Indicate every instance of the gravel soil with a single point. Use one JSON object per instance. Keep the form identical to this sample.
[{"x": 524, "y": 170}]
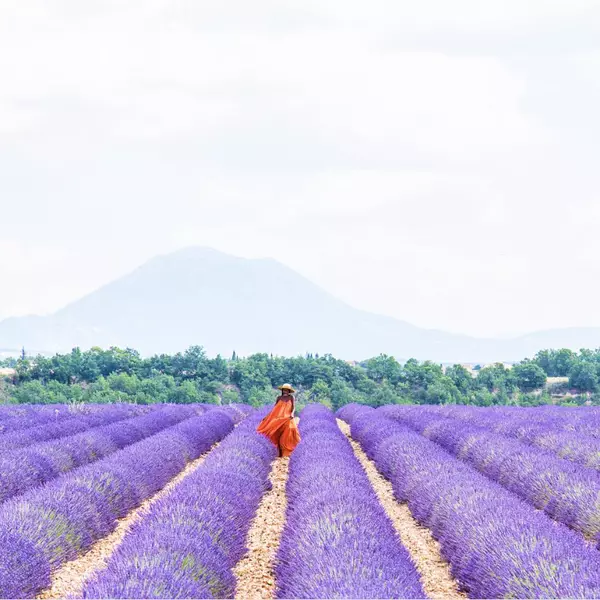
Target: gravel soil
[
  {"x": 436, "y": 578},
  {"x": 255, "y": 572},
  {"x": 68, "y": 581}
]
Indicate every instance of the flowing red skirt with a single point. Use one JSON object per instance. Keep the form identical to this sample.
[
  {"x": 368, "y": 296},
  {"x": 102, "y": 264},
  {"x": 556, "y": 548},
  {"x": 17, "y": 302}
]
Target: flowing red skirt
[{"x": 280, "y": 428}]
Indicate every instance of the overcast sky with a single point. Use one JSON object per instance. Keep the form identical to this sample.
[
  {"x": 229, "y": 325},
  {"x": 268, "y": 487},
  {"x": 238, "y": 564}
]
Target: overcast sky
[{"x": 436, "y": 161}]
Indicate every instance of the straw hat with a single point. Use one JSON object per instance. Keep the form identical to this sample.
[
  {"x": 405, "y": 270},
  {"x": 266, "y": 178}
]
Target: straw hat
[{"x": 287, "y": 386}]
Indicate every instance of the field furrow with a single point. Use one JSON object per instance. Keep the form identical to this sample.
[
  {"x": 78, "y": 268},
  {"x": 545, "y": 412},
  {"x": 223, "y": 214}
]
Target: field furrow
[
  {"x": 337, "y": 540},
  {"x": 16, "y": 418},
  {"x": 567, "y": 492},
  {"x": 47, "y": 527},
  {"x": 33, "y": 466},
  {"x": 584, "y": 421},
  {"x": 76, "y": 423},
  {"x": 399, "y": 501},
  {"x": 557, "y": 433},
  {"x": 497, "y": 545},
  {"x": 436, "y": 578},
  {"x": 70, "y": 579},
  {"x": 255, "y": 573},
  {"x": 189, "y": 541}
]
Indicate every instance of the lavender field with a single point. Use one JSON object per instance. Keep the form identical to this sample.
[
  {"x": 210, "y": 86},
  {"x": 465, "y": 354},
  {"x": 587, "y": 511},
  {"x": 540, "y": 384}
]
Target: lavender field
[{"x": 188, "y": 501}]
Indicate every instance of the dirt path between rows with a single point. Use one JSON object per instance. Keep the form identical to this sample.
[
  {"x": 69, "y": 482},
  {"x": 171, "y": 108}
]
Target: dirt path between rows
[
  {"x": 69, "y": 580},
  {"x": 255, "y": 572},
  {"x": 436, "y": 578}
]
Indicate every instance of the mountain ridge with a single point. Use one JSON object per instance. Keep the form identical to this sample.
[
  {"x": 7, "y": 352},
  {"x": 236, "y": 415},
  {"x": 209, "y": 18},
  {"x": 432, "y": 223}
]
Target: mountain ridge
[{"x": 202, "y": 296}]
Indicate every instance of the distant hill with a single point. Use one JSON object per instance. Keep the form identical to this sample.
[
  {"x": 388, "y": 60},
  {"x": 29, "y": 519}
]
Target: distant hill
[{"x": 225, "y": 303}]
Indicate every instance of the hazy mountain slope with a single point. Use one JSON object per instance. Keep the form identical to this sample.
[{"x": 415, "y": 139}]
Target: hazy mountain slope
[{"x": 200, "y": 296}]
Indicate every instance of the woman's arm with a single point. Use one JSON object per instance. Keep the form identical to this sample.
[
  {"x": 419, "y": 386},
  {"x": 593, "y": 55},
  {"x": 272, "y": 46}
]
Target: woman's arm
[{"x": 293, "y": 407}]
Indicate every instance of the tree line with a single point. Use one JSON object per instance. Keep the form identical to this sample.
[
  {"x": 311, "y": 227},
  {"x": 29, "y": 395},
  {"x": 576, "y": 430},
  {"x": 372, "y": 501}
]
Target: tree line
[{"x": 122, "y": 375}]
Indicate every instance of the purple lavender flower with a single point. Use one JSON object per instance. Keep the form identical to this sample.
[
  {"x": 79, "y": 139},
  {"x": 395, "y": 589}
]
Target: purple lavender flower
[
  {"x": 59, "y": 520},
  {"x": 568, "y": 492},
  {"x": 337, "y": 541},
  {"x": 34, "y": 465},
  {"x": 190, "y": 540},
  {"x": 497, "y": 544}
]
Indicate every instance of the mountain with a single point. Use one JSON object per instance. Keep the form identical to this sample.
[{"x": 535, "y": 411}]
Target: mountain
[{"x": 224, "y": 303}]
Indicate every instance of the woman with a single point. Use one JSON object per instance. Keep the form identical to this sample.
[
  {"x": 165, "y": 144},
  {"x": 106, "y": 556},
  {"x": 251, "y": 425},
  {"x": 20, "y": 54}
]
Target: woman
[{"x": 279, "y": 425}]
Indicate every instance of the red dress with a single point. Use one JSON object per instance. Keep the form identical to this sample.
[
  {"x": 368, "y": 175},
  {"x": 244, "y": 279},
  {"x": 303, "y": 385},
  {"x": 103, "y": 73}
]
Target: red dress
[{"x": 280, "y": 428}]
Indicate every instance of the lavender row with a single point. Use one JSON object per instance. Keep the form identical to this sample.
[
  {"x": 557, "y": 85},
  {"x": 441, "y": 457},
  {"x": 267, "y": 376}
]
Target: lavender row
[
  {"x": 338, "y": 541},
  {"x": 18, "y": 417},
  {"x": 575, "y": 447},
  {"x": 556, "y": 435},
  {"x": 20, "y": 411},
  {"x": 47, "y": 526},
  {"x": 567, "y": 492},
  {"x": 238, "y": 412},
  {"x": 66, "y": 427},
  {"x": 188, "y": 543},
  {"x": 9, "y": 412},
  {"x": 33, "y": 466},
  {"x": 496, "y": 544},
  {"x": 516, "y": 421}
]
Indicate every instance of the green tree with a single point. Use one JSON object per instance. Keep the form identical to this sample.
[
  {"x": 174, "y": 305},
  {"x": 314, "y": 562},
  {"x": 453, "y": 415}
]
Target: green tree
[
  {"x": 250, "y": 375},
  {"x": 23, "y": 368},
  {"x": 461, "y": 378},
  {"x": 441, "y": 391},
  {"x": 31, "y": 392},
  {"x": 529, "y": 376},
  {"x": 218, "y": 369},
  {"x": 230, "y": 396},
  {"x": 186, "y": 393},
  {"x": 483, "y": 397},
  {"x": 261, "y": 396},
  {"x": 556, "y": 363},
  {"x": 341, "y": 394},
  {"x": 320, "y": 392},
  {"x": 5, "y": 392},
  {"x": 496, "y": 377},
  {"x": 584, "y": 377},
  {"x": 420, "y": 375},
  {"x": 563, "y": 362},
  {"x": 383, "y": 367},
  {"x": 384, "y": 394},
  {"x": 122, "y": 382}
]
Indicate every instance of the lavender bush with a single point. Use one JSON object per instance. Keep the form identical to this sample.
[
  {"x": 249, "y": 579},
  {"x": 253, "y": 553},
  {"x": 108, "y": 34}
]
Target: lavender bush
[
  {"x": 498, "y": 546},
  {"x": 568, "y": 434},
  {"x": 516, "y": 421},
  {"x": 337, "y": 542},
  {"x": 568, "y": 492},
  {"x": 238, "y": 412},
  {"x": 54, "y": 523},
  {"x": 188, "y": 543},
  {"x": 69, "y": 426},
  {"x": 32, "y": 466},
  {"x": 18, "y": 417}
]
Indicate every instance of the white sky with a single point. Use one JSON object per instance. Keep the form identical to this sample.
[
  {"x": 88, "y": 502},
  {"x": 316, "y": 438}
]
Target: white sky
[{"x": 436, "y": 161}]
